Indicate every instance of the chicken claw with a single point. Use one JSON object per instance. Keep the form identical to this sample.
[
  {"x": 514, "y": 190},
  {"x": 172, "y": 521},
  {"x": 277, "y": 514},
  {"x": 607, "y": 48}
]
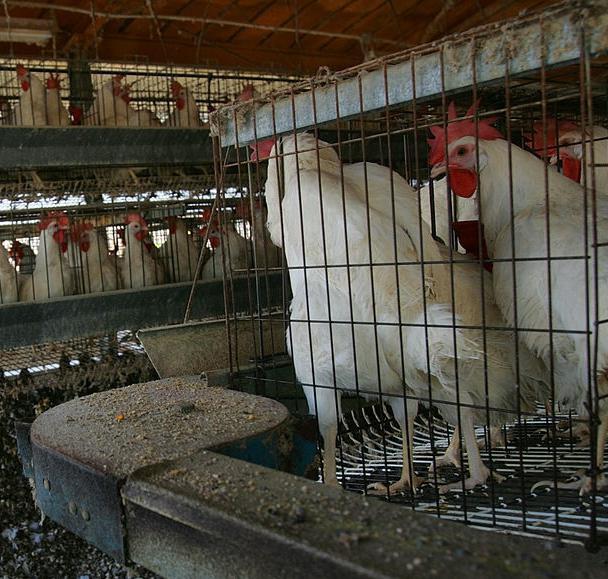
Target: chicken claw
[{"x": 380, "y": 489}]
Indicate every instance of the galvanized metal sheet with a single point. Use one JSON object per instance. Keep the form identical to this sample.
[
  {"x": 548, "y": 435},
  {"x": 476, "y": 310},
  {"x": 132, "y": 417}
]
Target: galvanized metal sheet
[
  {"x": 187, "y": 349},
  {"x": 516, "y": 45}
]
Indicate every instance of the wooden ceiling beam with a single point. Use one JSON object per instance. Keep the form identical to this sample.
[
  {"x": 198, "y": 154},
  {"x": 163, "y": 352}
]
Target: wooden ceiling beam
[
  {"x": 85, "y": 39},
  {"x": 223, "y": 54},
  {"x": 350, "y": 27}
]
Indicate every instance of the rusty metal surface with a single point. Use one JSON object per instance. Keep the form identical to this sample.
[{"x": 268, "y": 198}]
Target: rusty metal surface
[{"x": 210, "y": 516}]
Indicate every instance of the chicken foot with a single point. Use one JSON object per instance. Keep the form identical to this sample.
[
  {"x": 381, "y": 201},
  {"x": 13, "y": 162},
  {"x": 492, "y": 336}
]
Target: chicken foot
[
  {"x": 582, "y": 482},
  {"x": 478, "y": 471}
]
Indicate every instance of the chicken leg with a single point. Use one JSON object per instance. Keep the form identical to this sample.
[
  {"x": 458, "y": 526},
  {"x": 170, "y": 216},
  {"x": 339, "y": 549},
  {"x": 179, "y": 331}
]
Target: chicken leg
[
  {"x": 479, "y": 472},
  {"x": 451, "y": 454},
  {"x": 408, "y": 479}
]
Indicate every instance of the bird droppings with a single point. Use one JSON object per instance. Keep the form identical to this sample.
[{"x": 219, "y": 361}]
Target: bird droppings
[{"x": 121, "y": 430}]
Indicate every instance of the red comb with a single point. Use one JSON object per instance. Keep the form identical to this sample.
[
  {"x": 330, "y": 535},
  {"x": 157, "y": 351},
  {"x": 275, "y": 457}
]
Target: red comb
[
  {"x": 176, "y": 87},
  {"x": 53, "y": 81},
  {"x": 15, "y": 250},
  {"x": 458, "y": 129},
  {"x": 21, "y": 70},
  {"x": 535, "y": 141},
  {"x": 206, "y": 216},
  {"x": 135, "y": 218},
  {"x": 61, "y": 218},
  {"x": 78, "y": 228},
  {"x": 248, "y": 93}
]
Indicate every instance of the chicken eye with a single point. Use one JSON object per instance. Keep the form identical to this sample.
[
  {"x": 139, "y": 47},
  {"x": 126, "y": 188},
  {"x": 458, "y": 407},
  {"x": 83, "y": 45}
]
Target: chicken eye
[{"x": 461, "y": 152}]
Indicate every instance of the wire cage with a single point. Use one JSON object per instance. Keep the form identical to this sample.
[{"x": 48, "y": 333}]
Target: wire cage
[
  {"x": 442, "y": 218},
  {"x": 83, "y": 92}
]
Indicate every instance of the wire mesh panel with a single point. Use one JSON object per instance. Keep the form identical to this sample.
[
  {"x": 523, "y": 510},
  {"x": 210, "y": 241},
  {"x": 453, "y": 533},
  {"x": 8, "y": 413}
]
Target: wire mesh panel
[
  {"x": 442, "y": 219},
  {"x": 78, "y": 92}
]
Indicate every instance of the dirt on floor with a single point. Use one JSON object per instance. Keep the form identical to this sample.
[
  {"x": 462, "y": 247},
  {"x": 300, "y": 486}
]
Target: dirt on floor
[{"x": 29, "y": 547}]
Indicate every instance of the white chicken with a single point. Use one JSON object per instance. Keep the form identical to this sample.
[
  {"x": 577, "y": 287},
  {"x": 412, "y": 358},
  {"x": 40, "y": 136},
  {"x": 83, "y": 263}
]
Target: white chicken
[
  {"x": 228, "y": 247},
  {"x": 179, "y": 253},
  {"x": 52, "y": 276},
  {"x": 545, "y": 299},
  {"x": 57, "y": 114},
  {"x": 109, "y": 108},
  {"x": 186, "y": 113},
  {"x": 463, "y": 210},
  {"x": 97, "y": 269},
  {"x": 138, "y": 267},
  {"x": 9, "y": 291},
  {"x": 137, "y": 117},
  {"x": 362, "y": 348},
  {"x": 31, "y": 108},
  {"x": 24, "y": 259},
  {"x": 265, "y": 253},
  {"x": 571, "y": 155}
]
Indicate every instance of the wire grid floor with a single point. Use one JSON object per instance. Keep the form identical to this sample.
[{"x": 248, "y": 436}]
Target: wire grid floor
[{"x": 369, "y": 452}]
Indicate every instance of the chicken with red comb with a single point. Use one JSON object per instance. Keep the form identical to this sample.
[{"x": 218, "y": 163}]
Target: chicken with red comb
[
  {"x": 31, "y": 108},
  {"x": 9, "y": 292},
  {"x": 139, "y": 266},
  {"x": 463, "y": 180},
  {"x": 52, "y": 276},
  {"x": 186, "y": 113},
  {"x": 179, "y": 253},
  {"x": 57, "y": 115},
  {"x": 23, "y": 257},
  {"x": 513, "y": 187},
  {"x": 229, "y": 248},
  {"x": 577, "y": 145},
  {"x": 95, "y": 269}
]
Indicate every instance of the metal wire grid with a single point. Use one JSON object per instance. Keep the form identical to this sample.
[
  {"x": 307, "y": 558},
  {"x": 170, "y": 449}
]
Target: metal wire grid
[
  {"x": 38, "y": 360},
  {"x": 148, "y": 87},
  {"x": 370, "y": 450},
  {"x": 395, "y": 136}
]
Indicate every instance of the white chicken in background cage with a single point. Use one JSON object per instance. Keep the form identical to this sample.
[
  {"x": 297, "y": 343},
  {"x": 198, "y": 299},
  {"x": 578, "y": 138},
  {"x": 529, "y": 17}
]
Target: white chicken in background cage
[
  {"x": 52, "y": 275},
  {"x": 31, "y": 108},
  {"x": 561, "y": 141},
  {"x": 551, "y": 302},
  {"x": 186, "y": 113},
  {"x": 94, "y": 268},
  {"x": 229, "y": 250},
  {"x": 179, "y": 253},
  {"x": 22, "y": 256},
  {"x": 345, "y": 316},
  {"x": 9, "y": 291},
  {"x": 254, "y": 212},
  {"x": 139, "y": 267},
  {"x": 57, "y": 114}
]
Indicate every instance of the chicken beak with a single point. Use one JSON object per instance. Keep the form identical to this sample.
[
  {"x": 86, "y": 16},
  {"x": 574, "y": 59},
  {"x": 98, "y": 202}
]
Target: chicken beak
[
  {"x": 553, "y": 160},
  {"x": 438, "y": 170}
]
